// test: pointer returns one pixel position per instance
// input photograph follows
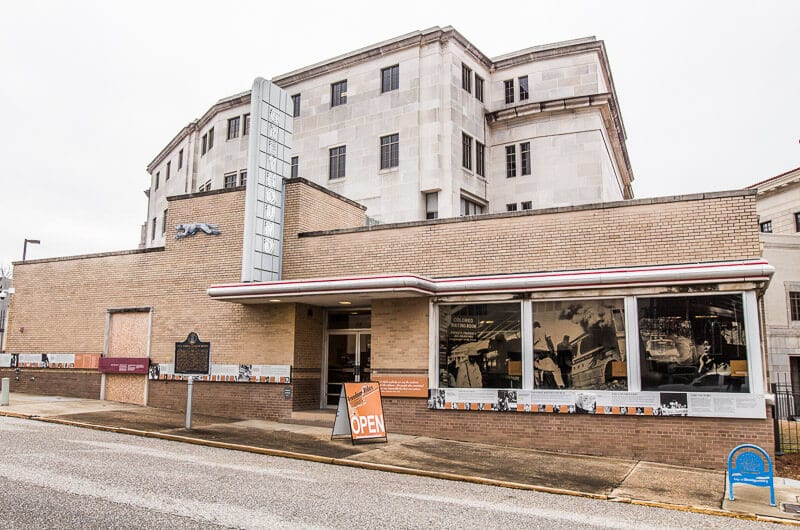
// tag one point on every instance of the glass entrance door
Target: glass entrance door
(348, 362)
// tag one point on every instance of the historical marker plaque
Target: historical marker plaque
(192, 356)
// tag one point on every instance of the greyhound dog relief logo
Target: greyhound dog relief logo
(190, 229)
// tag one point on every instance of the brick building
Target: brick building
(626, 328)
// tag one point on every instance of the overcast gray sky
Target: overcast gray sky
(91, 91)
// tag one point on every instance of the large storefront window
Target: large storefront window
(693, 343)
(579, 345)
(480, 346)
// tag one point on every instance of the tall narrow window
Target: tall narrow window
(153, 229)
(336, 169)
(480, 159)
(466, 151)
(169, 170)
(230, 180)
(243, 177)
(511, 161)
(390, 78)
(390, 151)
(479, 88)
(233, 128)
(339, 93)
(466, 78)
(523, 88)
(797, 222)
(296, 105)
(246, 125)
(794, 305)
(204, 144)
(525, 158)
(210, 138)
(295, 166)
(432, 205)
(180, 159)
(164, 223)
(158, 178)
(508, 87)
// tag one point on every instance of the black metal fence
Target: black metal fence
(786, 416)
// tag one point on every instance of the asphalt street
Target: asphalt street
(56, 476)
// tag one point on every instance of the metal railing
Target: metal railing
(786, 415)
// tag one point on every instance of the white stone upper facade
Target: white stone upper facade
(462, 147)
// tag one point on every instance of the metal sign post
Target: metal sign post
(190, 384)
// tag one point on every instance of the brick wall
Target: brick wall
(696, 442)
(229, 400)
(708, 227)
(307, 363)
(400, 335)
(52, 382)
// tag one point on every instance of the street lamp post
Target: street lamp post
(25, 246)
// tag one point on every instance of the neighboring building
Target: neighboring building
(626, 329)
(778, 208)
(425, 126)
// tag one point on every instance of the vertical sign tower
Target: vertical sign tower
(269, 160)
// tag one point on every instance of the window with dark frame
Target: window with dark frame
(295, 166)
(508, 87)
(511, 161)
(526, 205)
(511, 207)
(523, 88)
(210, 138)
(230, 180)
(469, 207)
(480, 159)
(296, 105)
(169, 170)
(432, 205)
(243, 177)
(336, 166)
(390, 78)
(466, 78)
(479, 88)
(797, 222)
(158, 178)
(339, 93)
(794, 306)
(466, 151)
(390, 151)
(246, 125)
(164, 223)
(233, 127)
(766, 227)
(204, 144)
(180, 159)
(525, 158)
(153, 230)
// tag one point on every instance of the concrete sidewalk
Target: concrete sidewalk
(308, 437)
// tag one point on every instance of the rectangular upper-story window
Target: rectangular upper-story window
(526, 205)
(432, 205)
(153, 229)
(797, 222)
(295, 105)
(511, 161)
(794, 305)
(337, 162)
(295, 168)
(180, 159)
(480, 159)
(233, 127)
(246, 125)
(204, 144)
(766, 227)
(508, 88)
(164, 223)
(470, 207)
(523, 88)
(243, 177)
(525, 158)
(339, 93)
(169, 170)
(230, 180)
(466, 78)
(390, 151)
(511, 207)
(466, 151)
(210, 138)
(157, 179)
(479, 88)
(390, 78)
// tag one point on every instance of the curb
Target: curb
(388, 468)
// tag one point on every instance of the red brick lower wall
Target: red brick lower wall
(305, 394)
(695, 442)
(54, 382)
(229, 400)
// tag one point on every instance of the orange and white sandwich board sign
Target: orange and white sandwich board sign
(364, 411)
